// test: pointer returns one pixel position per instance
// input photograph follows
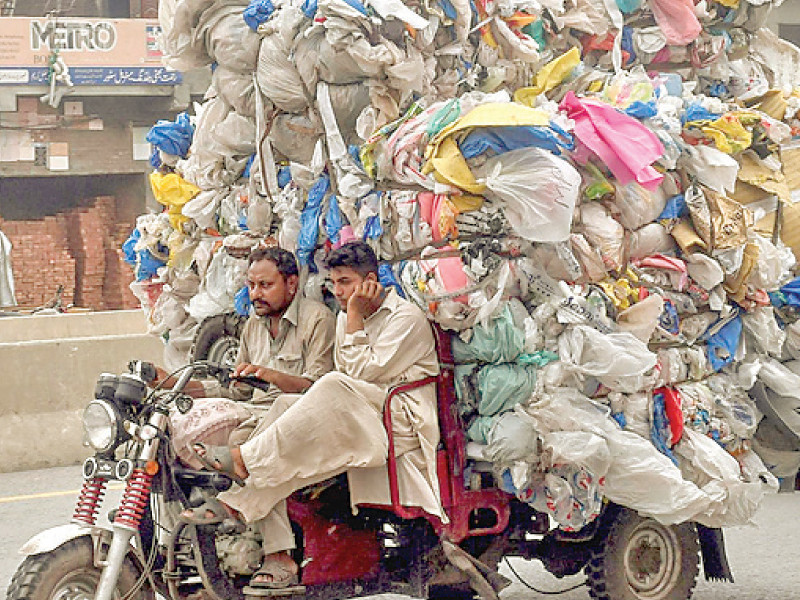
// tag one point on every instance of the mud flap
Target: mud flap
(712, 549)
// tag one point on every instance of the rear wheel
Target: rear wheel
(641, 559)
(68, 573)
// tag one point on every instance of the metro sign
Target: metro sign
(73, 35)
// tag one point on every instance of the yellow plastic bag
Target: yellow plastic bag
(443, 156)
(173, 191)
(729, 132)
(549, 76)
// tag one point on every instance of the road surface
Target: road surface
(765, 559)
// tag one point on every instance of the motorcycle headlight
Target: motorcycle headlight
(101, 425)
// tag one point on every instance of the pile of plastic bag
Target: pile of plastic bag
(596, 197)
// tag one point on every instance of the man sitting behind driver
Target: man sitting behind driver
(381, 340)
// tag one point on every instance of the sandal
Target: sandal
(220, 515)
(218, 458)
(282, 576)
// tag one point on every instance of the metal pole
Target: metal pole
(120, 544)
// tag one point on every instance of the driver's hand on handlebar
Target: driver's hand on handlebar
(161, 377)
(246, 369)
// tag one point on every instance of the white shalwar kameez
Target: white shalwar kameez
(337, 425)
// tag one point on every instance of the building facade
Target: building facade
(81, 83)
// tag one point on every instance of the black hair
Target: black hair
(355, 255)
(283, 259)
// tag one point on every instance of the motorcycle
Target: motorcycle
(151, 549)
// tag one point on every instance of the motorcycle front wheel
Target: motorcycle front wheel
(68, 573)
(641, 559)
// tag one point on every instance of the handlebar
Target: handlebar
(220, 372)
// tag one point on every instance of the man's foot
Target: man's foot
(277, 571)
(213, 512)
(224, 459)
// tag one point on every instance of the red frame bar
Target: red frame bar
(394, 488)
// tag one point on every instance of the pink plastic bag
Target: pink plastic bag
(437, 211)
(621, 142)
(677, 20)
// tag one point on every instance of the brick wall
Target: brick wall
(79, 249)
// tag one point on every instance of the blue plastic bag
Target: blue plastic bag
(147, 265)
(333, 220)
(627, 45)
(249, 165)
(242, 303)
(388, 279)
(696, 112)
(373, 228)
(721, 346)
(155, 157)
(144, 264)
(309, 221)
(504, 139)
(629, 6)
(674, 209)
(284, 177)
(309, 8)
(127, 247)
(172, 137)
(788, 295)
(669, 320)
(258, 12)
(660, 432)
(642, 110)
(449, 10)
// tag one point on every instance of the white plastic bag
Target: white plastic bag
(618, 360)
(706, 464)
(704, 270)
(639, 476)
(641, 319)
(539, 192)
(512, 438)
(638, 206)
(605, 233)
(651, 239)
(229, 40)
(581, 448)
(765, 335)
(203, 208)
(712, 167)
(236, 89)
(276, 75)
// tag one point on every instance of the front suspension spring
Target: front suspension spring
(89, 500)
(134, 499)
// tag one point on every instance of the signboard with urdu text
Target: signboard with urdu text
(97, 51)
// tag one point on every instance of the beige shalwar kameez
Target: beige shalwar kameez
(337, 426)
(304, 348)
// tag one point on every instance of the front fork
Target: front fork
(132, 507)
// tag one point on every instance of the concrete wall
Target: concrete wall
(787, 13)
(48, 368)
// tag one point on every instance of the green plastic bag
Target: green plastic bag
(501, 387)
(499, 342)
(479, 429)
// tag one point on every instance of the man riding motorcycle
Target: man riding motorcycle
(287, 343)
